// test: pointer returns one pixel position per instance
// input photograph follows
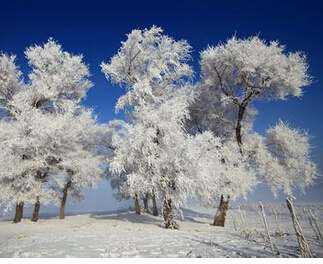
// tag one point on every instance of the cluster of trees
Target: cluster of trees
(50, 144)
(182, 139)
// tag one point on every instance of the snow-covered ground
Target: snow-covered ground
(125, 234)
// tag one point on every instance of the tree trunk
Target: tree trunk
(145, 202)
(219, 218)
(304, 247)
(63, 201)
(137, 205)
(241, 112)
(36, 211)
(168, 214)
(155, 209)
(19, 212)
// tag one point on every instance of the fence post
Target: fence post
(304, 247)
(267, 228)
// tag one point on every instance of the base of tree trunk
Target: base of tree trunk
(62, 212)
(137, 205)
(155, 209)
(220, 216)
(35, 216)
(145, 200)
(63, 201)
(168, 215)
(19, 212)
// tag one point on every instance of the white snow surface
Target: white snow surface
(125, 234)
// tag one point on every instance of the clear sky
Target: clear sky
(95, 29)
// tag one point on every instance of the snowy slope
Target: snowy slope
(125, 234)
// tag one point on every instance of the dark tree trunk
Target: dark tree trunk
(35, 216)
(145, 200)
(137, 205)
(241, 112)
(19, 212)
(155, 209)
(168, 214)
(219, 218)
(63, 201)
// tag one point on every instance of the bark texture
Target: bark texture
(63, 201)
(19, 212)
(241, 112)
(242, 107)
(219, 218)
(35, 216)
(168, 214)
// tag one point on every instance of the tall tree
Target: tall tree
(235, 74)
(152, 67)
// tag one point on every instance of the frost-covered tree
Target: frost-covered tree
(49, 140)
(10, 81)
(152, 67)
(210, 111)
(245, 70)
(149, 65)
(233, 76)
(158, 154)
(219, 168)
(283, 159)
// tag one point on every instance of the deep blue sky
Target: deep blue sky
(95, 29)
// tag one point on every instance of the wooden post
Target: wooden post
(314, 223)
(234, 223)
(304, 247)
(242, 217)
(262, 210)
(275, 213)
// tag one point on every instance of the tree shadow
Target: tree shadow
(129, 217)
(239, 250)
(191, 213)
(285, 249)
(192, 219)
(54, 215)
(191, 216)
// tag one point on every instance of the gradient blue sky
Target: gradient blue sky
(95, 29)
